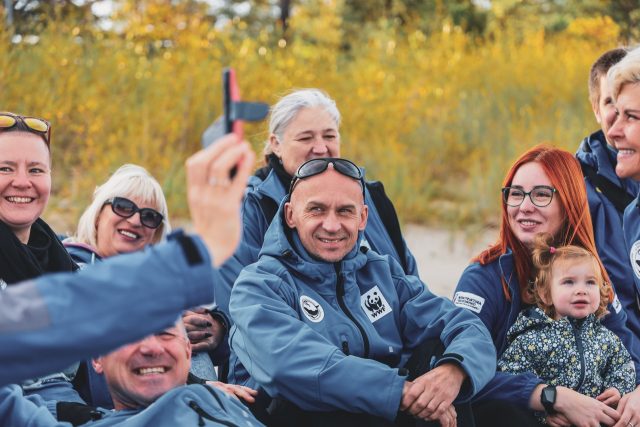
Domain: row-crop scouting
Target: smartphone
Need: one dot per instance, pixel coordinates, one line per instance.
(234, 111)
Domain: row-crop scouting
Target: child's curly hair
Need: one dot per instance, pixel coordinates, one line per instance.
(545, 255)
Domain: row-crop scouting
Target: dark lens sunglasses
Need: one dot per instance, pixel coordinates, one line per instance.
(38, 126)
(317, 166)
(125, 208)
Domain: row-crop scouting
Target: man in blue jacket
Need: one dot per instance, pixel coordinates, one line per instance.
(327, 328)
(147, 382)
(607, 193)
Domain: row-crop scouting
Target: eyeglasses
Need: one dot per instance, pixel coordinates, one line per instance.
(317, 166)
(38, 126)
(540, 195)
(125, 208)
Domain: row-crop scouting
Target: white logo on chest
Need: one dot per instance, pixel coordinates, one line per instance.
(311, 309)
(374, 304)
(634, 256)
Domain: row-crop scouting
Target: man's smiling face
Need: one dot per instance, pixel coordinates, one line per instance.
(139, 373)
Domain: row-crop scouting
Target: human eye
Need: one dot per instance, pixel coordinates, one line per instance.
(36, 171)
(608, 100)
(567, 282)
(165, 335)
(5, 169)
(592, 282)
(542, 194)
(631, 117)
(330, 136)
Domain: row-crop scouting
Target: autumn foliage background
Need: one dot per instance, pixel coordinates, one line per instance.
(437, 116)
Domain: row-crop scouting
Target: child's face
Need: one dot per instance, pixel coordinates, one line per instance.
(575, 290)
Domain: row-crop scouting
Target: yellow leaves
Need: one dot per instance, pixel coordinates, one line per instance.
(599, 28)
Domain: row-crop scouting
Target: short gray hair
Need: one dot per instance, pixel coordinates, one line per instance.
(627, 71)
(128, 181)
(289, 105)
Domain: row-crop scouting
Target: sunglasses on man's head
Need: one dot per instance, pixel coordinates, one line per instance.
(317, 166)
(125, 208)
(38, 126)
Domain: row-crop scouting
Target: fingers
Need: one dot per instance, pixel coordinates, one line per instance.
(245, 393)
(198, 347)
(196, 336)
(196, 321)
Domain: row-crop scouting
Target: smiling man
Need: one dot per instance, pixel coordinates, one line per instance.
(336, 334)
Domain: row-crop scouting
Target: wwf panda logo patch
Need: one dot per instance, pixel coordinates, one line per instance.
(311, 309)
(374, 304)
(634, 257)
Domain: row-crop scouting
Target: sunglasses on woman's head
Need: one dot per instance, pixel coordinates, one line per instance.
(125, 208)
(38, 126)
(317, 166)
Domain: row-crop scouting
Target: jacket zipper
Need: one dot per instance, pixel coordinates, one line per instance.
(576, 334)
(345, 309)
(202, 415)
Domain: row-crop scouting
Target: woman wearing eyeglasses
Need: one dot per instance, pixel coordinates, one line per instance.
(543, 192)
(128, 212)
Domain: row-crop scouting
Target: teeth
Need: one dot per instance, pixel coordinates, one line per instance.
(145, 371)
(528, 223)
(128, 234)
(329, 241)
(16, 199)
(626, 151)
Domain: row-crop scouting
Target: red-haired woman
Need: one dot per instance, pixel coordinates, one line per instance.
(543, 192)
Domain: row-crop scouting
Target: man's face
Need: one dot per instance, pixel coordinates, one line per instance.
(139, 373)
(328, 211)
(604, 110)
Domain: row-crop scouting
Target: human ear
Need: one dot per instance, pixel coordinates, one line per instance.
(288, 215)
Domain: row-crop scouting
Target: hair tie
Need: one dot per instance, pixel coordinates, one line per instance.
(552, 249)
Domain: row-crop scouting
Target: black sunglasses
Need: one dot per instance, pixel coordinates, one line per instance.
(317, 166)
(125, 208)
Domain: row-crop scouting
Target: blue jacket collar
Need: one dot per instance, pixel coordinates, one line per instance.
(597, 153)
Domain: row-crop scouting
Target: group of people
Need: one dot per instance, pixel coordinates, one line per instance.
(297, 301)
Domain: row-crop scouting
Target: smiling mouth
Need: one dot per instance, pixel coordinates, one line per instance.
(331, 241)
(19, 200)
(151, 370)
(129, 234)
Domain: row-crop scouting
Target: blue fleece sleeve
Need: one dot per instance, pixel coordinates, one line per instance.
(71, 316)
(425, 316)
(289, 359)
(16, 410)
(480, 292)
(254, 226)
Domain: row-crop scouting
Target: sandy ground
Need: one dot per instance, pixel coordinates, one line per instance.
(442, 256)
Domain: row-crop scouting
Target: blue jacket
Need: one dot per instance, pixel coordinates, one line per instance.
(607, 223)
(580, 354)
(72, 316)
(480, 291)
(193, 405)
(332, 336)
(255, 225)
(632, 238)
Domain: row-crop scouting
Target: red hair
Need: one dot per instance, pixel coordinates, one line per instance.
(566, 177)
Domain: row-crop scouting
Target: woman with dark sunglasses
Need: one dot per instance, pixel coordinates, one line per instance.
(28, 246)
(543, 192)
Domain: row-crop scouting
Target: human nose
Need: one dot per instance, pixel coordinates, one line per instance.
(319, 146)
(151, 346)
(615, 131)
(135, 219)
(331, 223)
(21, 180)
(527, 204)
